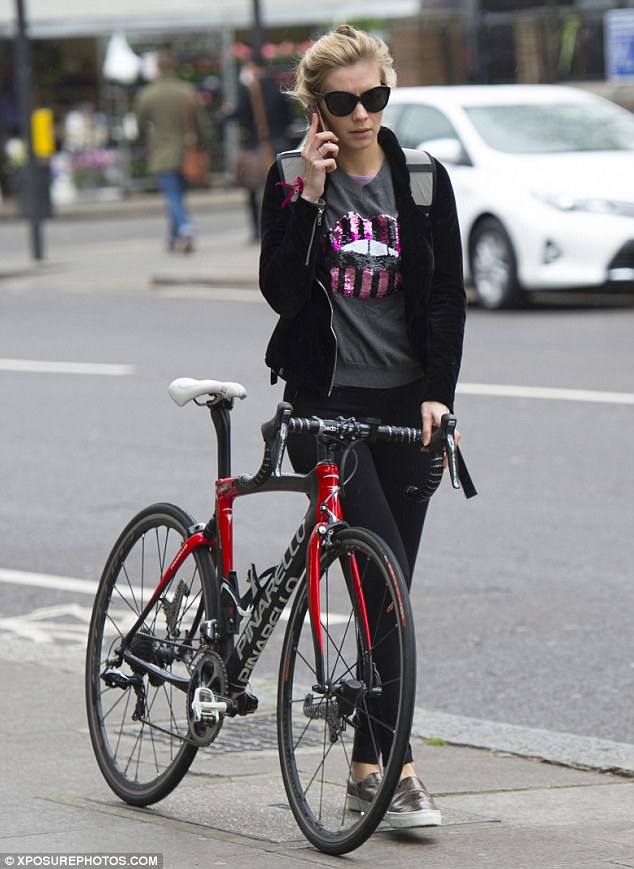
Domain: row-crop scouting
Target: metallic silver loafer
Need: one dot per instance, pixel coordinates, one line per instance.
(361, 794)
(412, 806)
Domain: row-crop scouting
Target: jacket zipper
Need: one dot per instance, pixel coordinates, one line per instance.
(334, 335)
(317, 223)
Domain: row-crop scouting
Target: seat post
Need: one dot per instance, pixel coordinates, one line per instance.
(222, 423)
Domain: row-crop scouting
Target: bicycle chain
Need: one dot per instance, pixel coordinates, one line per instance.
(178, 736)
(192, 667)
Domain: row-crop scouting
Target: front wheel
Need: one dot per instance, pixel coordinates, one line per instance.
(366, 709)
(494, 266)
(137, 717)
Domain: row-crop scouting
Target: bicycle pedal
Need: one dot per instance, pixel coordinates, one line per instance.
(205, 706)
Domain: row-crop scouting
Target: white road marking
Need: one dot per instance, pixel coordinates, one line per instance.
(21, 624)
(42, 626)
(221, 294)
(545, 392)
(63, 583)
(47, 580)
(491, 389)
(33, 366)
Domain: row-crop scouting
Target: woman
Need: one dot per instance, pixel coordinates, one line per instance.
(370, 294)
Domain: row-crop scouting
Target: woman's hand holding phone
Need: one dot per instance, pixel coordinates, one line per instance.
(320, 154)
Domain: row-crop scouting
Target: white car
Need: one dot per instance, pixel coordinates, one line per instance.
(544, 182)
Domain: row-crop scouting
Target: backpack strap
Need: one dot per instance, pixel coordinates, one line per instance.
(290, 165)
(420, 164)
(422, 176)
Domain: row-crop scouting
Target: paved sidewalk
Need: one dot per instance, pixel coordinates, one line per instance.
(221, 260)
(136, 204)
(498, 810)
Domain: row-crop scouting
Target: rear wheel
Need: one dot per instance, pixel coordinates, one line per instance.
(137, 718)
(494, 266)
(370, 684)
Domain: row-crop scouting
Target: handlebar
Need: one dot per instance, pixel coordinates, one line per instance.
(344, 432)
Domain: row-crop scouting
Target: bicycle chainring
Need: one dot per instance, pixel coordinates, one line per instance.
(208, 671)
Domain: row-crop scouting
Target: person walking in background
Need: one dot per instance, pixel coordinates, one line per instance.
(265, 117)
(167, 113)
(368, 286)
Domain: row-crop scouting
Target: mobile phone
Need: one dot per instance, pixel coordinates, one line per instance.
(311, 109)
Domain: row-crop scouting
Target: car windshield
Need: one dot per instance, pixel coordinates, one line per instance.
(535, 129)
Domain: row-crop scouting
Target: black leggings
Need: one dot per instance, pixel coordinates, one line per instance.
(373, 497)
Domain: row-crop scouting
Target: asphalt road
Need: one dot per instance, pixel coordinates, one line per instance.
(523, 596)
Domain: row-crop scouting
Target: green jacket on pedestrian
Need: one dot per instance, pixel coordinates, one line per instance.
(167, 113)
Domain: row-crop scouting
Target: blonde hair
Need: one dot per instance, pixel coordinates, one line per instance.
(343, 46)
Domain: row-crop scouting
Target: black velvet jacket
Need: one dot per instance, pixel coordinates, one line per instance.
(303, 346)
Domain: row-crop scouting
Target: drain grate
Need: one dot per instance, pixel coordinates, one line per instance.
(254, 733)
(251, 733)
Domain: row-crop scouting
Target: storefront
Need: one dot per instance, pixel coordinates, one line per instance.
(97, 153)
(90, 99)
(71, 44)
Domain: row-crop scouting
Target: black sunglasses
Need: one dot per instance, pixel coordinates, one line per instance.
(341, 103)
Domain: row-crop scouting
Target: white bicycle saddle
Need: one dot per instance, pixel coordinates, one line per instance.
(186, 389)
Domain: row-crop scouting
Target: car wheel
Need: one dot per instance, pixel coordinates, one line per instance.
(493, 266)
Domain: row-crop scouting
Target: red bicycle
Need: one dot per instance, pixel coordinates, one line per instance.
(173, 638)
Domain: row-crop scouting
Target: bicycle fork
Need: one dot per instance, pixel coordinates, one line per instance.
(330, 505)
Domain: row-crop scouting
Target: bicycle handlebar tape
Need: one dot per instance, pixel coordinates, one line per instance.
(424, 493)
(249, 481)
(441, 441)
(303, 425)
(274, 434)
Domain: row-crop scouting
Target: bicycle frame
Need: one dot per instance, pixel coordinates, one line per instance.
(302, 557)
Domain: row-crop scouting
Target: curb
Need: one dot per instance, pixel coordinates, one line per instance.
(245, 281)
(561, 749)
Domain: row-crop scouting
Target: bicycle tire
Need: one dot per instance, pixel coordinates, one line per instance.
(316, 731)
(143, 757)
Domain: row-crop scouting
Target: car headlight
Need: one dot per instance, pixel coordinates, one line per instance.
(565, 202)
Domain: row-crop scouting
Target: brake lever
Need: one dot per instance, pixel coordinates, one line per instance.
(443, 440)
(275, 433)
